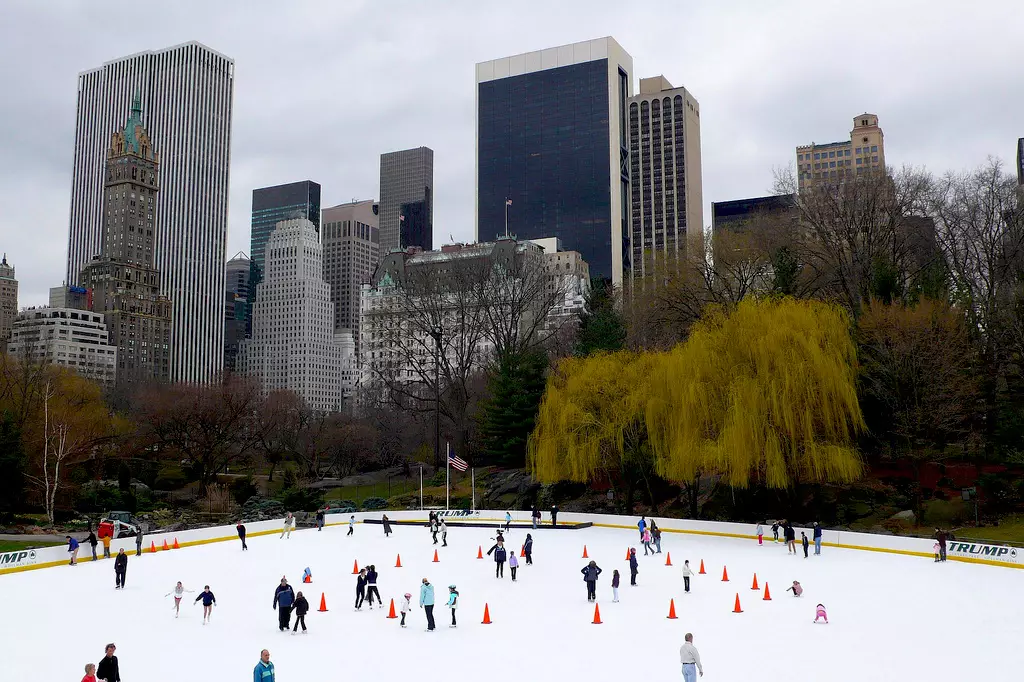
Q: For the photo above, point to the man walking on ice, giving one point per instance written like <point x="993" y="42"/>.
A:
<point x="690" y="659"/>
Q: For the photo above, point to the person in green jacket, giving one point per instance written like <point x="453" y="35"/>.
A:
<point x="264" y="670"/>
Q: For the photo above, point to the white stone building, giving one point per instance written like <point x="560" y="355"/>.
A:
<point x="293" y="345"/>
<point x="76" y="339"/>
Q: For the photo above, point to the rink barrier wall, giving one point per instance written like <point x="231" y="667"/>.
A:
<point x="48" y="557"/>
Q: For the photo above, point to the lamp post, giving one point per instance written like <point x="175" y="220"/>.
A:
<point x="437" y="334"/>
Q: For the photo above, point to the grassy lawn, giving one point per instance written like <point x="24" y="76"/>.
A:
<point x="1010" y="529"/>
<point x="9" y="546"/>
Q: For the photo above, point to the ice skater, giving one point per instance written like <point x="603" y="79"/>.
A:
<point x="93" y="542"/>
<point x="264" y="670"/>
<point x="386" y="522"/>
<point x="241" y="534"/>
<point x="642" y="525"/>
<point x="804" y="542"/>
<point x="797" y="589"/>
<point x="820" y="613"/>
<point x="508" y="520"/>
<point x="632" y="567"/>
<point x="284" y="597"/>
<point x="554" y="515"/>
<point x="936" y="549"/>
<point x="760" y="533"/>
<point x="301" y="609"/>
<point x="120" y="569"/>
<point x="444" y="533"/>
<point x="90" y="673"/>
<point x="404" y="609"/>
<point x="690" y="660"/>
<point x="371" y="586"/>
<point x="208" y="602"/>
<point x="453" y="603"/>
<point x="817" y="539"/>
<point x="138" y="544"/>
<point x="687" y="574"/>
<point x="319" y="522"/>
<point x="942" y="536"/>
<point x="790" y="534"/>
<point x="433" y="529"/>
<point x="615" y="586"/>
<point x="513" y="563"/>
<point x="178" y="591"/>
<point x="775" y="530"/>
<point x="656" y="535"/>
<point x="590" y="573"/>
<point x="108" y="668"/>
<point x="427" y="603"/>
<point x="289" y="524"/>
<point x="360" y="588"/>
<point x="528" y="549"/>
<point x="72" y="549"/>
<point x="499" y="558"/>
<point x="647" y="541"/>
<point x="535" y="515"/>
<point x="351" y="525"/>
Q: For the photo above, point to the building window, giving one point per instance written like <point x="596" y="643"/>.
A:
<point x="817" y="155"/>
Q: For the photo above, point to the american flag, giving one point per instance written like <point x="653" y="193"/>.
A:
<point x="508" y="202"/>
<point x="401" y="218"/>
<point x="457" y="462"/>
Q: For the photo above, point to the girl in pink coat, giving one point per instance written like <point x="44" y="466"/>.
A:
<point x="820" y="614"/>
<point x="647" y="541"/>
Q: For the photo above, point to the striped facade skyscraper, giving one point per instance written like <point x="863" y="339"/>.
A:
<point x="188" y="92"/>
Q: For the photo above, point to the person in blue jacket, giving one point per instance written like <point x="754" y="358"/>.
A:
<point x="208" y="601"/>
<point x="817" y="538"/>
<point x="632" y="566"/>
<point x="264" y="670"/>
<point x="427" y="603"/>
<point x="453" y="602"/>
<point x="499" y="558"/>
<point x="641" y="524"/>
<point x="284" y="597"/>
<point x="72" y="549"/>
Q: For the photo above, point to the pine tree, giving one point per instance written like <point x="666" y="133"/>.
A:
<point x="601" y="325"/>
<point x="515" y="386"/>
<point x="12" y="466"/>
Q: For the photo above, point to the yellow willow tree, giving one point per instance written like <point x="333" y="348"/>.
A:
<point x="766" y="394"/>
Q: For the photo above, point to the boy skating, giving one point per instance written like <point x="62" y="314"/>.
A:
<point x="351" y="525"/>
<point x="208" y="601"/>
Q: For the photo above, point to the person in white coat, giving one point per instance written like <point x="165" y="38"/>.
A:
<point x="289" y="526"/>
<point x="687" y="574"/>
<point x="406" y="605"/>
<point x="690" y="659"/>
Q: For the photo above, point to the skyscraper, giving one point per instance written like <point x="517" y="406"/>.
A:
<point x="122" y="279"/>
<point x="236" y="307"/>
<point x="1020" y="162"/>
<point x="551" y="133"/>
<point x="834" y="161"/>
<point x="293" y="345"/>
<point x="666" y="202"/>
<point x="8" y="300"/>
<point x="351" y="244"/>
<point x="407" y="199"/>
<point x="188" y="92"/>
<point x="271" y="205"/>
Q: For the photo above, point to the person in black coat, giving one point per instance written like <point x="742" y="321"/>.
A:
<point x="301" y="609"/>
<point x="241" y="534"/>
<point x="120" y="569"/>
<point x="590" y="573"/>
<point x="790" y="534"/>
<point x="554" y="514"/>
<point x="386" y="522"/>
<point x="319" y="520"/>
<point x="371" y="586"/>
<point x="107" y="669"/>
<point x="632" y="566"/>
<point x="499" y="558"/>
<point x="360" y="588"/>
<point x="528" y="548"/>
<point x="138" y="540"/>
<point x="284" y="597"/>
<point x="93" y="542"/>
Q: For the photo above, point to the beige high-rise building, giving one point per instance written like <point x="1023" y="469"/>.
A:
<point x="69" y="337"/>
<point x="351" y="244"/>
<point x="835" y="161"/>
<point x="8" y="300"/>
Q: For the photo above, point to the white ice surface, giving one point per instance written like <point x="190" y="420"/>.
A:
<point x="891" y="617"/>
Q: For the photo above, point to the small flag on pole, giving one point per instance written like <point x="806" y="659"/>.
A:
<point x="508" y="202"/>
<point x="401" y="218"/>
<point x="457" y="462"/>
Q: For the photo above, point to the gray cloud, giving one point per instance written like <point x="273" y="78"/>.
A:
<point x="323" y="88"/>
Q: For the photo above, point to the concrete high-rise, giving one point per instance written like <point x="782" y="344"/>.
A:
<point x="236" y="307"/>
<point x="553" y="150"/>
<point x="188" y="91"/>
<point x="666" y="199"/>
<point x="833" y="162"/>
<point x="8" y="300"/>
<point x="122" y="279"/>
<point x="351" y="243"/>
<point x="407" y="199"/>
<point x="293" y="345"/>
<point x="69" y="337"/>
<point x="1020" y="162"/>
<point x="271" y="205"/>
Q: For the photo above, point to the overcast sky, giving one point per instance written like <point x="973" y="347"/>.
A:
<point x="324" y="87"/>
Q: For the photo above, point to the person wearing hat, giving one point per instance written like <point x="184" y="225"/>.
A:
<point x="453" y="603"/>
<point x="405" y="607"/>
<point x="427" y="603"/>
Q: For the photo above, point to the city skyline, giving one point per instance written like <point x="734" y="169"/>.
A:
<point x="757" y="91"/>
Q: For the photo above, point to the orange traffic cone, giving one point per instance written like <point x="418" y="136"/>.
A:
<point x="355" y="567"/>
<point x="165" y="545"/>
<point x="668" y="559"/>
<point x="487" y="615"/>
<point x="436" y="560"/>
<point x="307" y="579"/>
<point x="175" y="545"/>
<point x="754" y="586"/>
<point x="672" y="609"/>
<point x="725" y="575"/>
<point x="597" y="615"/>
<point x="323" y="602"/>
<point x="522" y="551"/>
<point x="398" y="561"/>
<point x="391" y="613"/>
<point x="736" y="608"/>
<point x="767" y="594"/>
<point x="701" y="571"/>
<point x="627" y="554"/>
<point x="585" y="552"/>
<point x="152" y="546"/>
<point x="479" y="552"/>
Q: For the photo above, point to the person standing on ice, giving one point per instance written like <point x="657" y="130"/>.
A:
<point x="775" y="530"/>
<point x="208" y="602"/>
<point x="93" y="542"/>
<point x="760" y="533"/>
<point x="72" y="549"/>
<point x="289" y="523"/>
<point x="360" y="588"/>
<point x="590" y="573"/>
<point x="820" y="613"/>
<point x="427" y="603"/>
<point x="386" y="522"/>
<point x="942" y="536"/>
<point x="444" y="533"/>
<point x="642" y="525"/>
<point x="301" y="609"/>
<point x="687" y="574"/>
<point x="656" y="535"/>
<point x="535" y="516"/>
<point x="120" y="569"/>
<point x="178" y="591"/>
<point x="433" y="529"/>
<point x="513" y="563"/>
<point x="508" y="520"/>
<point x="106" y="546"/>
<point x="241" y="534"/>
<point x="284" y="597"/>
<point x="647" y="541"/>
<point x="371" y="586"/>
<point x="453" y="603"/>
<point x="804" y="542"/>
<point x="790" y="534"/>
<point x="615" y="586"/>
<point x="405" y="607"/>
<point x="319" y="522"/>
<point x="554" y="515"/>
<point x="690" y="659"/>
<point x="90" y="673"/>
<point x="633" y="568"/>
<point x="817" y="539"/>
<point x="264" y="670"/>
<point x="138" y="540"/>
<point x="108" y="670"/>
<point x="528" y="549"/>
<point x="499" y="558"/>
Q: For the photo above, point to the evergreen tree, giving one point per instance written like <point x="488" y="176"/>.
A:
<point x="12" y="467"/>
<point x="516" y="386"/>
<point x="601" y="325"/>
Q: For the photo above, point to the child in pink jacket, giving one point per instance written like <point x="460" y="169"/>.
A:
<point x="820" y="614"/>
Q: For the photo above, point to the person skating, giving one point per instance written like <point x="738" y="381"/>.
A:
<point x="687" y="574"/>
<point x="528" y="549"/>
<point x="819" y="612"/>
<point x="241" y="534"/>
<point x="93" y="542"/>
<point x="120" y="569"/>
<point x="404" y="609"/>
<point x="499" y="558"/>
<point x="360" y="588"/>
<point x="804" y="542"/>
<point x="690" y="660"/>
<point x="790" y="534"/>
<point x="633" y="570"/>
<point x="427" y="603"/>
<point x="264" y="670"/>
<point x="351" y="525"/>
<point x="371" y="586"/>
<point x="72" y="549"/>
<point x="760" y="533"/>
<point x="535" y="516"/>
<point x="301" y="609"/>
<point x="434" y="527"/>
<point x="642" y="525"/>
<point x="936" y="548"/>
<point x="508" y="520"/>
<point x="615" y="586"/>
<point x="656" y="535"/>
<point x="554" y="515"/>
<point x="319" y="520"/>
<point x="208" y="602"/>
<point x="647" y="541"/>
<point x="289" y="523"/>
<point x="138" y="540"/>
<point x="942" y="536"/>
<point x="90" y="673"/>
<point x="284" y="597"/>
<point x="178" y="591"/>
<point x="386" y="522"/>
<point x="590" y="573"/>
<point x="453" y="603"/>
<point x="108" y="669"/>
<point x="797" y="589"/>
<point x="817" y="539"/>
<point x="444" y="533"/>
<point x="775" y="530"/>
<point x="106" y="546"/>
<point x="513" y="563"/>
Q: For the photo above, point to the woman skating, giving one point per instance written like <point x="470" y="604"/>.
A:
<point x="590" y="573"/>
<point x="647" y="541"/>
<point x="371" y="586"/>
<point x="386" y="522"/>
<point x="208" y="601"/>
<point x="687" y="574"/>
<point x="528" y="549"/>
<point x="360" y="588"/>
<point x="632" y="566"/>
<point x="178" y="591"/>
<point x="453" y="602"/>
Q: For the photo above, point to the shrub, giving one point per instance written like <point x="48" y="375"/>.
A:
<point x="243" y="488"/>
<point x="301" y="499"/>
<point x="375" y="503"/>
<point x="170" y="477"/>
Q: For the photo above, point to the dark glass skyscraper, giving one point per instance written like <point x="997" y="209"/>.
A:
<point x="552" y="139"/>
<point x="406" y="199"/>
<point x="271" y="205"/>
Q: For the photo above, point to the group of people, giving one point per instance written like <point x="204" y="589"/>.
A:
<point x="74" y="545"/>
<point x="286" y="601"/>
<point x="789" y="535"/>
<point x="426" y="603"/>
<point x="437" y="525"/>
<point x="107" y="670"/>
<point x="501" y="555"/>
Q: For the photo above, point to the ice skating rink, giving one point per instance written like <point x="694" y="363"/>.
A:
<point x="892" y="617"/>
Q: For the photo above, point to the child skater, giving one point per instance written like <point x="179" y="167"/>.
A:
<point x="513" y="563"/>
<point x="615" y="586"/>
<point x="796" y="589"/>
<point x="360" y="588"/>
<point x="208" y="601"/>
<point x="351" y="525"/>
<point x="687" y="574"/>
<point x="301" y="607"/>
<point x="405" y="607"/>
<point x="90" y="673"/>
<point x="820" y="613"/>
<point x="937" y="550"/>
<point x="775" y="530"/>
<point x="178" y="591"/>
<point x="453" y="603"/>
<point x="760" y="533"/>
<point x="508" y="520"/>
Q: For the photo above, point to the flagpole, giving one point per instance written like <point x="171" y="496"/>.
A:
<point x="506" y="217"/>
<point x="421" y="487"/>
<point x="447" y="472"/>
<point x="472" y="478"/>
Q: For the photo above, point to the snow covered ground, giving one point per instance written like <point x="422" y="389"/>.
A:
<point x="891" y="617"/>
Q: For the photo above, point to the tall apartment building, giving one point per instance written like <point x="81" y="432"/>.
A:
<point x="188" y="90"/>
<point x="271" y="205"/>
<point x="832" y="162"/>
<point x="122" y="279"/>
<point x="568" y="272"/>
<point x="69" y="337"/>
<point x="293" y="345"/>
<point x="1020" y="162"/>
<point x="8" y="300"/>
<point x="351" y="243"/>
<point x="666" y="200"/>
<point x="236" y="307"/>
<point x="407" y="199"/>
<point x="553" y="150"/>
